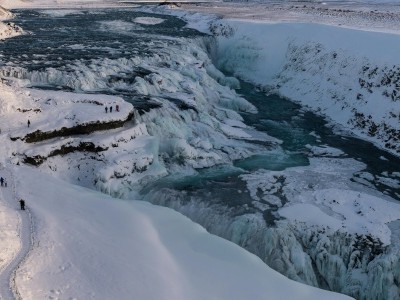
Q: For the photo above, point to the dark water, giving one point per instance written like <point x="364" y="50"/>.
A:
<point x="214" y="197"/>
<point x="89" y="37"/>
<point x="288" y="122"/>
<point x="53" y="40"/>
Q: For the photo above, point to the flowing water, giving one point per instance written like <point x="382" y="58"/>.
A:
<point x="62" y="51"/>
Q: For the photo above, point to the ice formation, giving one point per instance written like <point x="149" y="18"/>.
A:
<point x="334" y="234"/>
<point x="334" y="71"/>
<point x="319" y="224"/>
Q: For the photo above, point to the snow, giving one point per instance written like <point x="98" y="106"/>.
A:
<point x="323" y="216"/>
<point x="324" y="150"/>
<point x="66" y="109"/>
<point x="8" y="29"/>
<point x="148" y="20"/>
<point x="155" y="253"/>
<point x="319" y="56"/>
<point x="120" y="26"/>
<point x="88" y="245"/>
<point x="158" y="253"/>
<point x="353" y="211"/>
<point x="322" y="67"/>
<point x="61" y="12"/>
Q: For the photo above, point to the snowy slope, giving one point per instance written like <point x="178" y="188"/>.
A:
<point x="91" y="246"/>
<point x="88" y="245"/>
<point x="64" y="261"/>
<point x="330" y="58"/>
<point x="334" y="233"/>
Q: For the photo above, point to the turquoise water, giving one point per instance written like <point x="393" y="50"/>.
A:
<point x="215" y="197"/>
<point x="60" y="43"/>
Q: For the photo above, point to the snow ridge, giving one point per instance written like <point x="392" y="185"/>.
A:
<point x="26" y="235"/>
<point x="8" y="29"/>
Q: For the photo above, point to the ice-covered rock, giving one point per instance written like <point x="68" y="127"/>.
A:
<point x="334" y="71"/>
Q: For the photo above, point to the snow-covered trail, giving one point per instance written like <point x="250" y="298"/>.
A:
<point x="22" y="240"/>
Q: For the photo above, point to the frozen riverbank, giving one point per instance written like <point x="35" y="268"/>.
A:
<point x="118" y="249"/>
<point x="190" y="118"/>
<point x="351" y="76"/>
<point x="88" y="244"/>
<point x="338" y="73"/>
<point x="335" y="70"/>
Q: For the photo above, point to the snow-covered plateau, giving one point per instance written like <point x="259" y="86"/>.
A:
<point x="137" y="108"/>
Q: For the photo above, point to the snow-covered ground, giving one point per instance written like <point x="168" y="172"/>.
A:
<point x="90" y="246"/>
<point x="157" y="253"/>
<point x="341" y="68"/>
<point x="74" y="243"/>
<point x="8" y="29"/>
<point x="349" y="75"/>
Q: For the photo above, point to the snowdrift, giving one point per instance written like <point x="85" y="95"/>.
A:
<point x="94" y="246"/>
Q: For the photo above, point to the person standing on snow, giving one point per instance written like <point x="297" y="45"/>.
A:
<point x="22" y="203"/>
<point x="29" y="123"/>
<point x="1" y="181"/>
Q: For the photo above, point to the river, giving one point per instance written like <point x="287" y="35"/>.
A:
<point x="100" y="51"/>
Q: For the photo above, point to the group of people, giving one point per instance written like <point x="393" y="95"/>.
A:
<point x="111" y="108"/>
<point x="3" y="182"/>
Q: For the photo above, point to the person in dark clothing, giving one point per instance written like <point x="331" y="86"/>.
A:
<point x="1" y="181"/>
<point x="110" y="109"/>
<point x="29" y="123"/>
<point x="106" y="108"/>
<point x="117" y="107"/>
<point x="22" y="203"/>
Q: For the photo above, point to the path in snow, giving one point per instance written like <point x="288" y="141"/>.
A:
<point x="24" y="230"/>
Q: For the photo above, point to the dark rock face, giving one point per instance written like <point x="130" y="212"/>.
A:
<point x="86" y="128"/>
<point x="65" y="149"/>
<point x="350" y="83"/>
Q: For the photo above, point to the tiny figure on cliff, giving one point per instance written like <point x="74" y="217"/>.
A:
<point x="29" y="123"/>
<point x="106" y="108"/>
<point x="22" y="204"/>
<point x="1" y="181"/>
<point x="110" y="109"/>
<point x="117" y="107"/>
